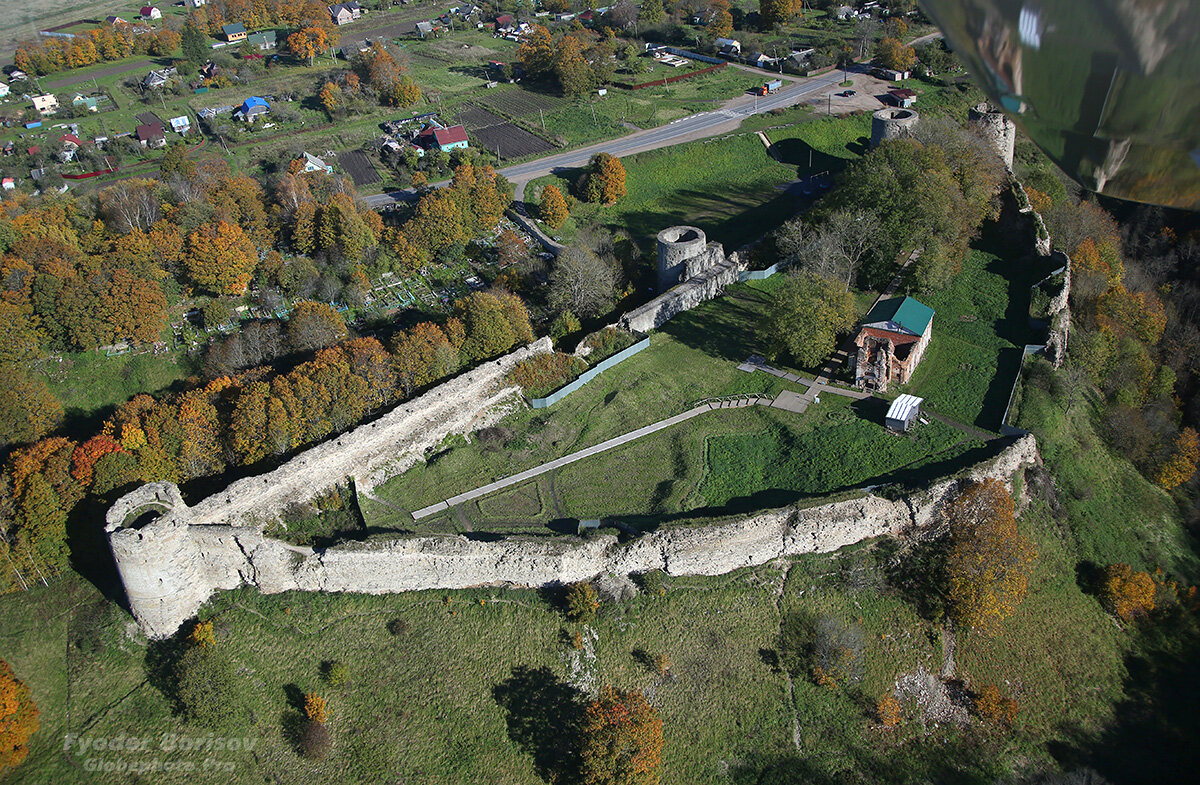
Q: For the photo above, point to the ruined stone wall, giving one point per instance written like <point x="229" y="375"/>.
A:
<point x="171" y="565"/>
<point x="708" y="275"/>
<point x="996" y="128"/>
<point x="1059" y="310"/>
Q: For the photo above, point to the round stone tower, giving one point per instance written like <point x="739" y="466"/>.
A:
<point x="676" y="245"/>
<point x="995" y="127"/>
<point x="891" y="124"/>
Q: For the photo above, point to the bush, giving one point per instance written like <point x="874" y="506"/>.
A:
<point x="607" y="342"/>
<point x="539" y="376"/>
<point x="1127" y="593"/>
<point x="204" y="686"/>
<point x="994" y="706"/>
<point x="662" y="664"/>
<point x="315" y="709"/>
<point x="564" y="324"/>
<point x="335" y="673"/>
<point x="582" y="602"/>
<point x="315" y="741"/>
<point x="397" y="627"/>
<point x="653" y="583"/>
<point x="887" y="710"/>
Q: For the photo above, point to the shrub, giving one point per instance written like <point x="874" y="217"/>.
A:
<point x="202" y="634"/>
<point x="1127" y="593"/>
<point x="887" y="710"/>
<point x="542" y="375"/>
<point x="662" y="664"/>
<point x="994" y="706"/>
<point x="204" y="686"/>
<point x="315" y="708"/>
<point x="335" y="673"/>
<point x="582" y="602"/>
<point x="315" y="741"/>
<point x="653" y="583"/>
<point x="607" y="342"/>
<point x="564" y="324"/>
<point x="836" y="654"/>
<point x="397" y="627"/>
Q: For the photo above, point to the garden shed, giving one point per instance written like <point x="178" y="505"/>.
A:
<point x="903" y="412"/>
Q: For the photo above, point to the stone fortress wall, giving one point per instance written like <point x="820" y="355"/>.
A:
<point x="171" y="565"/>
<point x="889" y="124"/>
<point x="993" y="125"/>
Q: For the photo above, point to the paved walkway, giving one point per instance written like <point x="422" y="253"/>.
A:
<point x="729" y="402"/>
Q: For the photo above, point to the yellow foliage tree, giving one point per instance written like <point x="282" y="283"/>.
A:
<point x="1180" y="465"/>
<point x="221" y="258"/>
<point x="315" y="708"/>
<point x="894" y="54"/>
<point x="1126" y="592"/>
<point x="18" y="718"/>
<point x="994" y="706"/>
<point x="989" y="561"/>
<point x="553" y="207"/>
<point x="887" y="709"/>
<point x="622" y="740"/>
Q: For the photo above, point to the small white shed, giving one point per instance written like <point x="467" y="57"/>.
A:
<point x="903" y="412"/>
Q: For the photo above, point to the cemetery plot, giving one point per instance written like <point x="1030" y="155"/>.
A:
<point x="359" y="167"/>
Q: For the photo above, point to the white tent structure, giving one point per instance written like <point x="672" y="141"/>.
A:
<point x="903" y="411"/>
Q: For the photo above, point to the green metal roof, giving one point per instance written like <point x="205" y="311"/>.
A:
<point x="904" y="311"/>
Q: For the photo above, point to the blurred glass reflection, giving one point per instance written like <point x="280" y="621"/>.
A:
<point x="1108" y="88"/>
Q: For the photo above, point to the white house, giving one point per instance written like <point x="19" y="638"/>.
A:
<point x="4" y="89"/>
<point x="314" y="164"/>
<point x="196" y="3"/>
<point x="181" y="124"/>
<point x="728" y="46"/>
<point x="150" y="13"/>
<point x="45" y="104"/>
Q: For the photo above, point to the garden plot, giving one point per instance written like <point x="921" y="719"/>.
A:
<point x="499" y="135"/>
<point x="359" y="167"/>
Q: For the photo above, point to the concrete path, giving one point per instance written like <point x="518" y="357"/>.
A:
<point x="708" y="405"/>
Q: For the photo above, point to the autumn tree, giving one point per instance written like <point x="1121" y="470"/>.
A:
<point x="315" y="708"/>
<point x="776" y="13"/>
<point x="176" y="161"/>
<point x="887" y="710"/>
<point x="994" y="706"/>
<point x="1126" y="592"/>
<point x="582" y="602"/>
<point x="894" y="54"/>
<point x="18" y="718"/>
<point x="721" y="25"/>
<point x="805" y="318"/>
<point x="989" y="561"/>
<point x="313" y="325"/>
<point x="331" y="98"/>
<point x="309" y="42"/>
<point x="423" y="354"/>
<point x="536" y="51"/>
<point x="220" y="258"/>
<point x="840" y="245"/>
<point x="571" y="68"/>
<point x="604" y="181"/>
<point x="28" y="410"/>
<point x="1180" y="464"/>
<point x="493" y="324"/>
<point x="622" y="740"/>
<point x="553" y="207"/>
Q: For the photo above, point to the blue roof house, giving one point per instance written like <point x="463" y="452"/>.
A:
<point x="251" y="108"/>
<point x="891" y="340"/>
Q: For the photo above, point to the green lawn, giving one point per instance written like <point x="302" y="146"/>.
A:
<point x="89" y="383"/>
<point x="980" y="327"/>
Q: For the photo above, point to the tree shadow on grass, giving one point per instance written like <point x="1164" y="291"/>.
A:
<point x="544" y="716"/>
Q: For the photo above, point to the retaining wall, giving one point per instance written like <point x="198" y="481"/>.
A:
<point x="172" y="565"/>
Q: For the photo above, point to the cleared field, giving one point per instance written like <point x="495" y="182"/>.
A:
<point x="518" y="102"/>
<point x="359" y="167"/>
<point x="509" y="141"/>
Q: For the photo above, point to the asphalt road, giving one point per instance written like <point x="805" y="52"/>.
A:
<point x="685" y="129"/>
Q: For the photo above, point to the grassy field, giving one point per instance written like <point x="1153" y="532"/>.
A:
<point x="89" y="382"/>
<point x="980" y="327"/>
<point x="719" y="463"/>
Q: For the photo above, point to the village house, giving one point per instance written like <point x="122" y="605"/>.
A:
<point x="150" y="13"/>
<point x="314" y="164"/>
<point x="114" y="20"/>
<point x="88" y="102"/>
<point x="234" y="32"/>
<point x="197" y="3"/>
<point x="181" y="124"/>
<point x="436" y="137"/>
<point x="891" y="341"/>
<point x="8" y="183"/>
<point x="343" y="13"/>
<point x="902" y="97"/>
<point x="151" y="136"/>
<point x="504" y="23"/>
<point x="4" y="89"/>
<point x="251" y="109"/>
<point x="728" y="46"/>
<point x="45" y="104"/>
<point x="264" y="40"/>
<point x="158" y="78"/>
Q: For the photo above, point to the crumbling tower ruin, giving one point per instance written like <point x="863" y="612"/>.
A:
<point x="676" y="245"/>
<point x="892" y="124"/>
<point x="995" y="127"/>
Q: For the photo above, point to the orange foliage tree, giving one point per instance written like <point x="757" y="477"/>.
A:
<point x="622" y="740"/>
<point x="994" y="706"/>
<point x="18" y="718"/>
<point x="1180" y="464"/>
<point x="553" y="207"/>
<point x="1126" y="592"/>
<point x="221" y="258"/>
<point x="989" y="561"/>
<point x="604" y="181"/>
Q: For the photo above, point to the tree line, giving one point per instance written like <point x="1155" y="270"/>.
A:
<point x="239" y="420"/>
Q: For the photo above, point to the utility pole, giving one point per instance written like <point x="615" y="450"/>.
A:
<point x="543" y="116"/>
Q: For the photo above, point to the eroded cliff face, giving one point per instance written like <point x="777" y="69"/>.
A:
<point x="172" y="565"/>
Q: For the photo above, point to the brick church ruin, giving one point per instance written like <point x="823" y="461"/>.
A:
<point x="890" y="342"/>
